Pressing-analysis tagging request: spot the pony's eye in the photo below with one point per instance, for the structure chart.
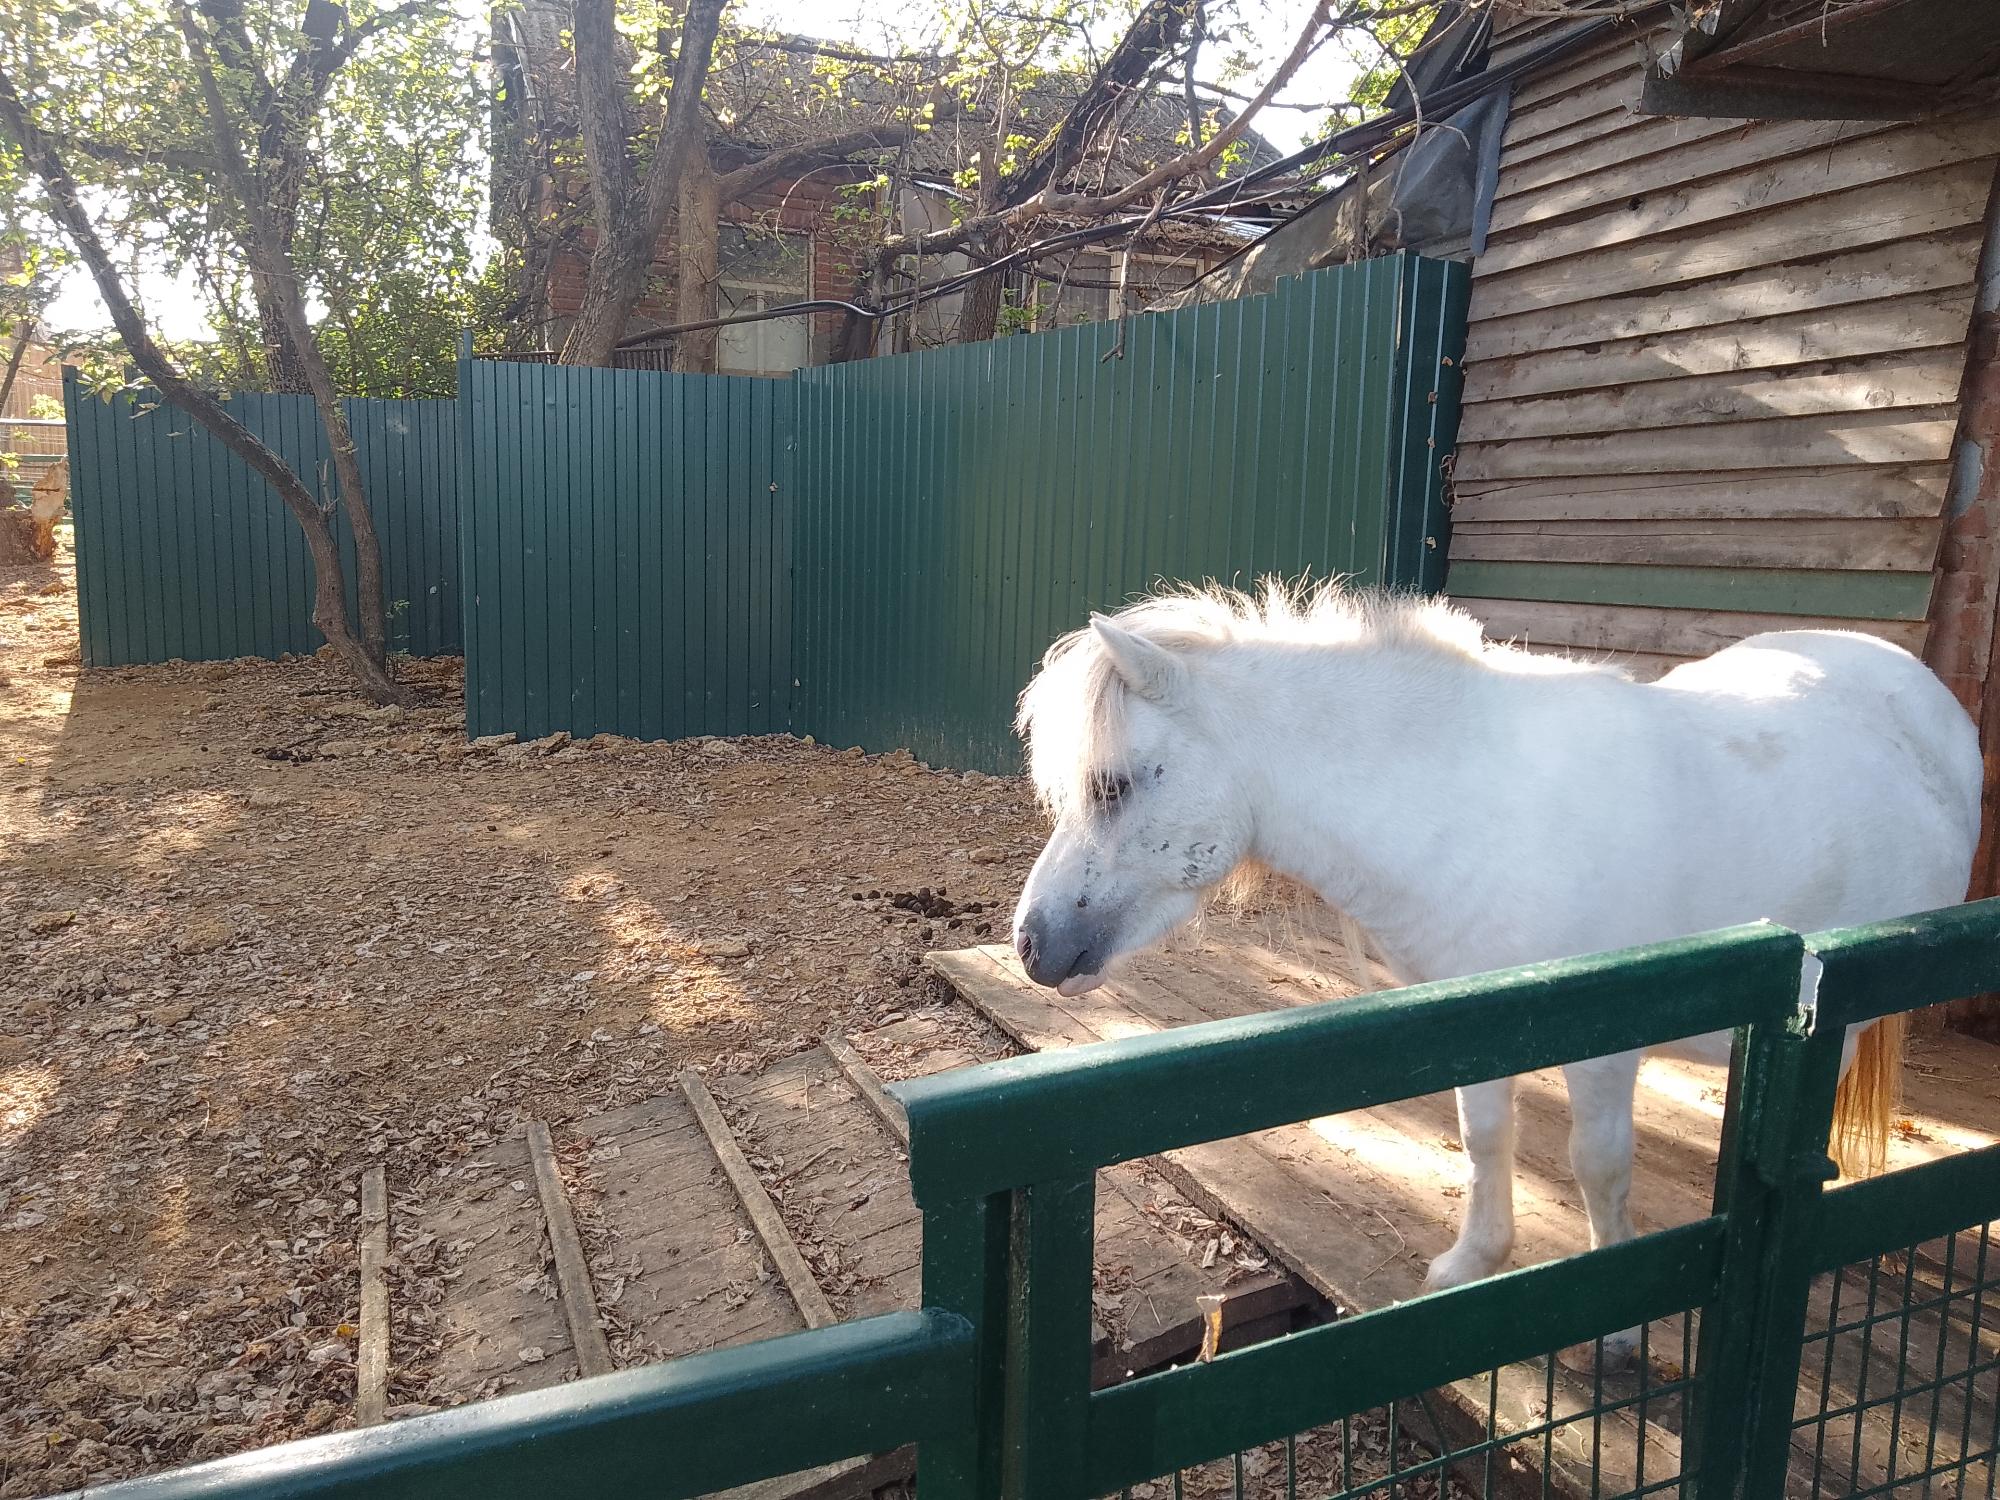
(1106, 789)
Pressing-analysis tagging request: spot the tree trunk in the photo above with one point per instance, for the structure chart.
(22, 338)
(630, 213)
(269, 214)
(283, 370)
(979, 312)
(700, 236)
(329, 603)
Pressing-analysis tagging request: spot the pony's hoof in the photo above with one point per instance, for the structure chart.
(1620, 1351)
(1460, 1265)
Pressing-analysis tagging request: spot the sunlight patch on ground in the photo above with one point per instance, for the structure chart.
(1688, 1084)
(26, 1092)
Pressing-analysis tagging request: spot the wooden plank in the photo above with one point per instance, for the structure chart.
(1565, 80)
(1944, 198)
(496, 1307)
(1678, 633)
(1857, 161)
(1923, 320)
(1524, 35)
(1612, 118)
(371, 1359)
(1626, 184)
(858, 1073)
(1790, 591)
(1919, 434)
(1897, 380)
(1617, 90)
(1636, 138)
(579, 1300)
(838, 1179)
(1929, 262)
(1882, 491)
(763, 1214)
(849, 1479)
(1908, 546)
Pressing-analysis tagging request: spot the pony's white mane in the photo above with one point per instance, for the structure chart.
(1072, 714)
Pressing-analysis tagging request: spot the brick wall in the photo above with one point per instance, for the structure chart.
(810, 206)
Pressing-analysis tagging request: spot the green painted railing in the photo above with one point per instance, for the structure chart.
(991, 1380)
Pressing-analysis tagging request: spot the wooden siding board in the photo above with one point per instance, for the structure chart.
(1807, 174)
(1674, 632)
(1946, 197)
(1617, 90)
(1927, 262)
(1712, 372)
(1918, 435)
(1626, 187)
(1920, 320)
(1787, 591)
(1880, 490)
(1634, 139)
(1905, 546)
(1548, 84)
(1881, 382)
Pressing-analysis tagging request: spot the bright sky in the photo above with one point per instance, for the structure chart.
(1274, 24)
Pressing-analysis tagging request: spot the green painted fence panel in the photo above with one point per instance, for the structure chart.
(184, 552)
(961, 508)
(627, 551)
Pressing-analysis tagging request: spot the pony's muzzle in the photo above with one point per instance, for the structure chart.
(1054, 952)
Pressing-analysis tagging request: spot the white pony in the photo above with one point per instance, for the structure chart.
(1476, 806)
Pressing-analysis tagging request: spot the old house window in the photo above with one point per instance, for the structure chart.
(759, 269)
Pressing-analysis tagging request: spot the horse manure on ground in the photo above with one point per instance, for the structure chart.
(933, 906)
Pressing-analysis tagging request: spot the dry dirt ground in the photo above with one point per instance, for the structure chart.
(255, 936)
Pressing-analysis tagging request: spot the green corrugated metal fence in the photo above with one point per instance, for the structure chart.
(961, 508)
(184, 552)
(627, 551)
(631, 541)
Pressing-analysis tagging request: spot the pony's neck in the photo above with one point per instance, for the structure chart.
(1350, 752)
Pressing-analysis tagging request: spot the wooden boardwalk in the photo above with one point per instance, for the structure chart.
(1357, 1205)
(736, 1209)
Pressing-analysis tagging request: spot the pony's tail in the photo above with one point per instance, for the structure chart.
(1868, 1094)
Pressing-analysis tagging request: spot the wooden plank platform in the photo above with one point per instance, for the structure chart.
(1357, 1205)
(500, 1328)
(740, 1208)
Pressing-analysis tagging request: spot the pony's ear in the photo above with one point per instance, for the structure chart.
(1149, 669)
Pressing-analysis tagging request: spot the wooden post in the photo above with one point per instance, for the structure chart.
(371, 1359)
(764, 1217)
(579, 1300)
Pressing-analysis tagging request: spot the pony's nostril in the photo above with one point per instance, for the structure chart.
(1024, 944)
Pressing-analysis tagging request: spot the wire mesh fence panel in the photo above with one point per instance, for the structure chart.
(1601, 1419)
(1899, 1374)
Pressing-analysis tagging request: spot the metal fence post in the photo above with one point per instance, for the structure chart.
(1769, 1177)
(965, 1271)
(1048, 1341)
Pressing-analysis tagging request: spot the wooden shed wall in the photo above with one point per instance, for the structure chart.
(1712, 369)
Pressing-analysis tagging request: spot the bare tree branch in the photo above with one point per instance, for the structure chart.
(793, 160)
(1152, 33)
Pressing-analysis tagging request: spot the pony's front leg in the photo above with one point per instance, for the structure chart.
(1600, 1153)
(1486, 1128)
